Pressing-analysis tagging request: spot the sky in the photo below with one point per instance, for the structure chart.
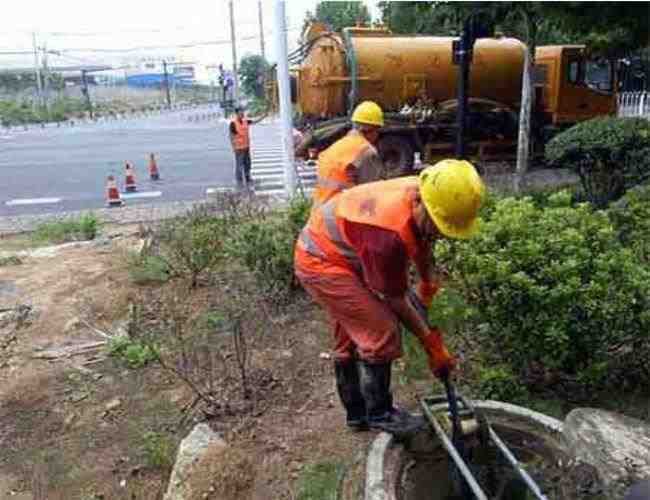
(72, 25)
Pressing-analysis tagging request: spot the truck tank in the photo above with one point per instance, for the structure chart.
(394, 70)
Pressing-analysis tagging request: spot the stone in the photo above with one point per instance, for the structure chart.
(71, 325)
(189, 452)
(113, 404)
(618, 447)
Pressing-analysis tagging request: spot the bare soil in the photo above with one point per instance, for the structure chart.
(73, 427)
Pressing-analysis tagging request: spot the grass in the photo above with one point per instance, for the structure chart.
(83, 228)
(158, 450)
(134, 354)
(319, 481)
(12, 260)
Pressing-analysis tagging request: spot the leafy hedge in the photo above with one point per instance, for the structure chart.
(631, 216)
(609, 154)
(556, 288)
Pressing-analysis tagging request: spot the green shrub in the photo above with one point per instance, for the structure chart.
(158, 450)
(500, 383)
(555, 286)
(265, 246)
(147, 269)
(193, 244)
(134, 353)
(609, 154)
(631, 216)
(80, 229)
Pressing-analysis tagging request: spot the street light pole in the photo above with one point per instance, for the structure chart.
(234, 50)
(284, 87)
(169, 98)
(37, 70)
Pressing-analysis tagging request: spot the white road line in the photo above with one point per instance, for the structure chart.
(33, 201)
(143, 194)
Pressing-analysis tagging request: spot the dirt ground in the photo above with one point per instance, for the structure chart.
(73, 427)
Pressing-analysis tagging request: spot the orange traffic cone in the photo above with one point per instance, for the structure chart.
(112, 193)
(154, 174)
(129, 183)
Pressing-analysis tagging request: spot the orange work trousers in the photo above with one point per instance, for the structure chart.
(364, 325)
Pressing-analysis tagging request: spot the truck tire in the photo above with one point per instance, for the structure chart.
(397, 153)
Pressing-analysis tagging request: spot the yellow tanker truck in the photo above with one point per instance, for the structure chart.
(414, 79)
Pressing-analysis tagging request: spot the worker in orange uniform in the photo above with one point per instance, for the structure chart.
(353, 258)
(353, 159)
(240, 140)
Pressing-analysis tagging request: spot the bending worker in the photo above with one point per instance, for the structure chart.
(353, 159)
(353, 258)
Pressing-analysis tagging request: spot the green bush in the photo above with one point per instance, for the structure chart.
(265, 246)
(135, 354)
(631, 216)
(609, 154)
(555, 286)
(81, 229)
(147, 269)
(12, 260)
(319, 481)
(498, 382)
(193, 244)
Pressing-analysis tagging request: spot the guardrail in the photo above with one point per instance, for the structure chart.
(634, 104)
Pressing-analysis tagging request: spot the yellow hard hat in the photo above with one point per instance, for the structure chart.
(452, 192)
(368, 113)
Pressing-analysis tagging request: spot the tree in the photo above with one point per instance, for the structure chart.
(252, 74)
(339, 15)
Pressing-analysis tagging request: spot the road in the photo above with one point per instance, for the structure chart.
(61, 169)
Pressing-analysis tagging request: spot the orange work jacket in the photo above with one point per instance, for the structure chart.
(242, 137)
(322, 246)
(332, 166)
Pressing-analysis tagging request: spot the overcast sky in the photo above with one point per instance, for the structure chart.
(126, 24)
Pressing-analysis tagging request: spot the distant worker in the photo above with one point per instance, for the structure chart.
(353, 258)
(240, 140)
(353, 159)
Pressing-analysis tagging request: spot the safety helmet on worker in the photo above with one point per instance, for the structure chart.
(368, 113)
(452, 193)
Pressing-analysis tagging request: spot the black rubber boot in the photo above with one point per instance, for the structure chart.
(375, 387)
(347, 385)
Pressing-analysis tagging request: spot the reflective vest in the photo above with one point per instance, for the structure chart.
(242, 138)
(332, 165)
(383, 204)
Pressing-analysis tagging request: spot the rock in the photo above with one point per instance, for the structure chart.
(69, 420)
(189, 452)
(71, 325)
(113, 404)
(618, 447)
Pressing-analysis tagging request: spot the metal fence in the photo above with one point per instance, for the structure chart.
(634, 104)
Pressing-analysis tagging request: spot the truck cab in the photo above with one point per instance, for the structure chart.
(570, 87)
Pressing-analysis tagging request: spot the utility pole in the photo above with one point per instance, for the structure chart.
(259, 14)
(167, 94)
(234, 51)
(46, 79)
(284, 87)
(84, 91)
(37, 70)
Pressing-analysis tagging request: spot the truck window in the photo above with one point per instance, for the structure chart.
(574, 71)
(599, 75)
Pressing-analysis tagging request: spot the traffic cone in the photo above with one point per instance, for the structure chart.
(154, 174)
(129, 183)
(112, 193)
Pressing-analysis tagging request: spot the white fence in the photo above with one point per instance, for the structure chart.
(634, 104)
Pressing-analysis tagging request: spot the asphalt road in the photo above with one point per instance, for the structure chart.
(69, 165)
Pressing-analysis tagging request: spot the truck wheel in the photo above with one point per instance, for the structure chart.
(397, 154)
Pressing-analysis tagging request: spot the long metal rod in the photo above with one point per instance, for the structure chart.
(515, 463)
(460, 463)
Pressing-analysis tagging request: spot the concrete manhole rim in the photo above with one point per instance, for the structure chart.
(375, 484)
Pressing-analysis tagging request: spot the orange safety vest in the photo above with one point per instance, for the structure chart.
(242, 138)
(332, 165)
(383, 204)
